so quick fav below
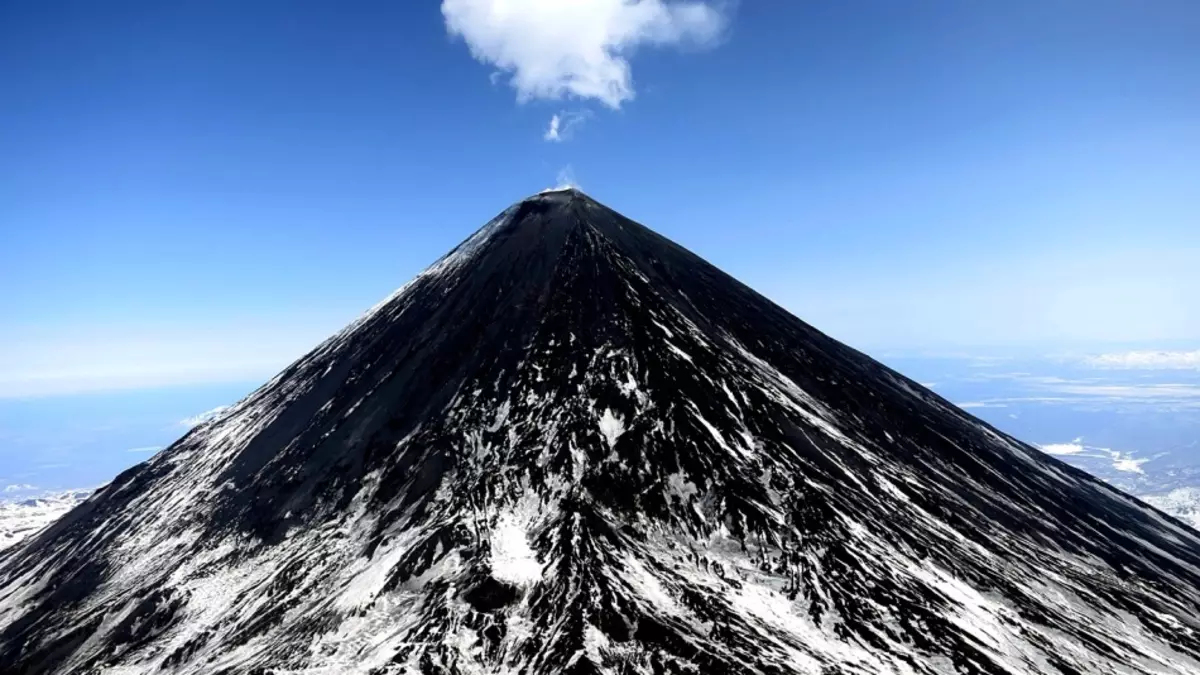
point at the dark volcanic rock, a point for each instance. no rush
(571, 446)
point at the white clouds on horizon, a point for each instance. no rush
(1148, 360)
(1091, 391)
(1167, 391)
(980, 404)
(552, 50)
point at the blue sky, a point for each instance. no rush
(196, 192)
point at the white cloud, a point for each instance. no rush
(552, 49)
(980, 404)
(1169, 391)
(1124, 461)
(1149, 360)
(564, 123)
(552, 132)
(1073, 448)
(1129, 464)
(151, 448)
(203, 417)
(19, 487)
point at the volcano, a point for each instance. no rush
(572, 446)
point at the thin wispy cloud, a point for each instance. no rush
(980, 404)
(552, 133)
(564, 124)
(1133, 391)
(550, 49)
(149, 448)
(19, 487)
(1073, 448)
(565, 178)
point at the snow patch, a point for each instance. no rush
(513, 559)
(684, 355)
(648, 588)
(612, 426)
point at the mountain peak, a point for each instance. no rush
(573, 446)
(568, 189)
(561, 196)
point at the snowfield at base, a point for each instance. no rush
(22, 518)
(1183, 503)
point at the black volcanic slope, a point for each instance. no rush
(571, 446)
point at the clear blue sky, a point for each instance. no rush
(198, 191)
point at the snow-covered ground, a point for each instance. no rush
(21, 518)
(1183, 503)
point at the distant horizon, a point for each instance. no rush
(237, 371)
